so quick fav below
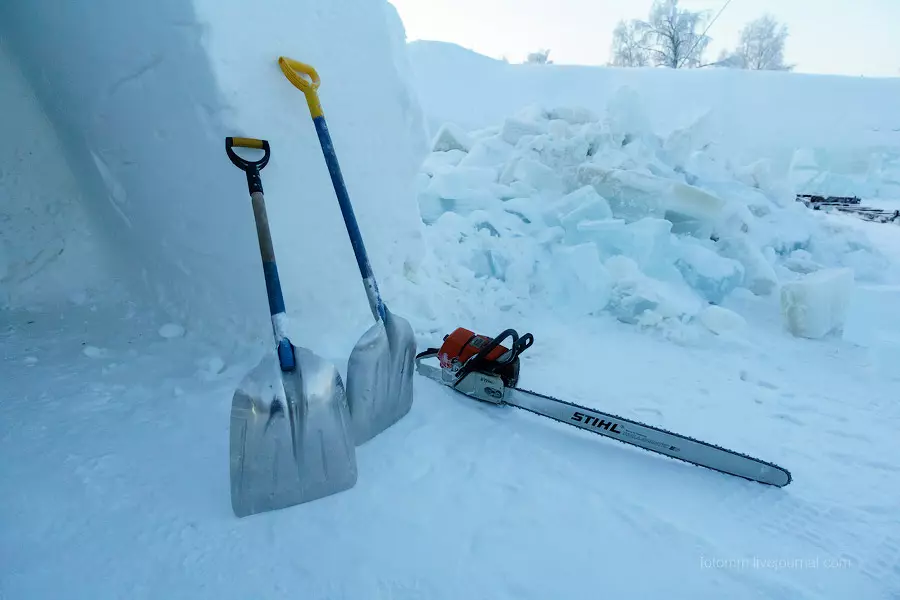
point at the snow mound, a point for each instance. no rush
(589, 214)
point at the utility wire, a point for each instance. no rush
(703, 35)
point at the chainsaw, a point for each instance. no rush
(485, 369)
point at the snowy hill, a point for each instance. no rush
(646, 242)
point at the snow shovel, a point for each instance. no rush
(290, 443)
(380, 368)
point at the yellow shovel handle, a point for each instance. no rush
(293, 69)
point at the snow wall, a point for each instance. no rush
(844, 121)
(124, 141)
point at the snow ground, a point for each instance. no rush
(114, 425)
(124, 491)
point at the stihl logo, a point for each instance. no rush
(596, 423)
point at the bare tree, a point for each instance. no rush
(761, 46)
(541, 57)
(671, 37)
(626, 46)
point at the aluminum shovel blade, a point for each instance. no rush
(379, 377)
(290, 436)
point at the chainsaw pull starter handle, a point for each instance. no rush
(251, 168)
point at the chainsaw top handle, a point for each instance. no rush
(251, 168)
(479, 361)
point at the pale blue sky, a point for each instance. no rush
(848, 37)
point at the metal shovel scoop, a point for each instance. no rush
(380, 368)
(290, 435)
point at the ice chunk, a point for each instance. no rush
(537, 175)
(712, 276)
(459, 190)
(690, 202)
(488, 263)
(636, 298)
(757, 174)
(801, 261)
(632, 195)
(582, 282)
(651, 244)
(451, 137)
(610, 235)
(525, 209)
(706, 166)
(491, 152)
(515, 129)
(682, 143)
(557, 128)
(498, 221)
(630, 296)
(584, 204)
(549, 237)
(460, 181)
(721, 320)
(608, 158)
(816, 306)
(437, 161)
(759, 275)
(431, 207)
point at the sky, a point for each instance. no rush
(845, 37)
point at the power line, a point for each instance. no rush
(705, 31)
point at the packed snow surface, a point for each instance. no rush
(648, 259)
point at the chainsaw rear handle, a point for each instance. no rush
(251, 168)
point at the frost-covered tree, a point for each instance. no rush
(626, 48)
(541, 57)
(672, 36)
(761, 46)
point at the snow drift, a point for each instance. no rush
(142, 97)
(849, 125)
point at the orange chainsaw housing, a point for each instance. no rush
(462, 344)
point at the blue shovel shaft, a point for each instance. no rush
(359, 249)
(267, 251)
(273, 282)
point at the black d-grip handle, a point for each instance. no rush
(251, 168)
